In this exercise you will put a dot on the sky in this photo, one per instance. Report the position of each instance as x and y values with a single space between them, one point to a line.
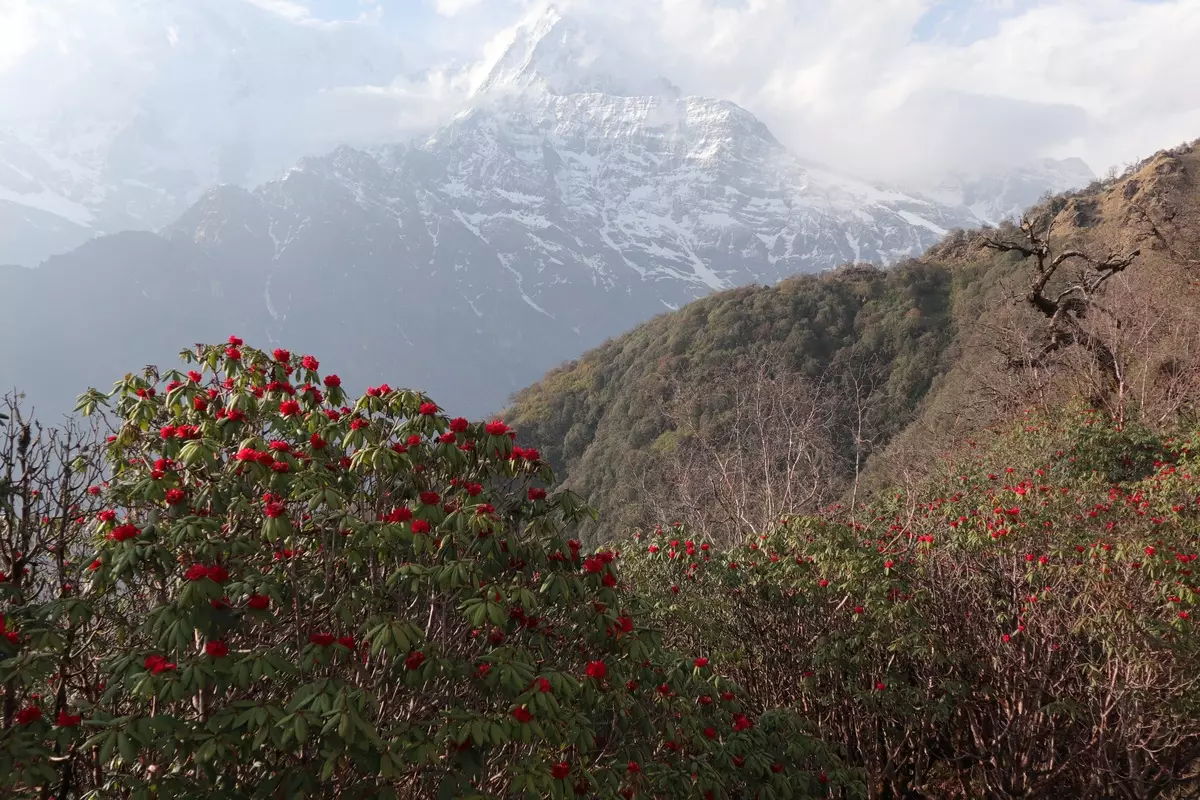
888 89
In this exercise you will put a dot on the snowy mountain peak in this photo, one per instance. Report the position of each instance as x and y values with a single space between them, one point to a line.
557 54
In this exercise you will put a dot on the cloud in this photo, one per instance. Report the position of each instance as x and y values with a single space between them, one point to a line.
284 8
892 87
452 8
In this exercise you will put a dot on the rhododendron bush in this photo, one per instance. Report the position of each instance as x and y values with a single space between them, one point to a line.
254 586
1027 633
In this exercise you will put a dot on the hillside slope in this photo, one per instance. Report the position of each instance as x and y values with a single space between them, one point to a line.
909 362
607 418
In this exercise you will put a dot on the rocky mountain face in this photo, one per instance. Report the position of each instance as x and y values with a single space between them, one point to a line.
573 199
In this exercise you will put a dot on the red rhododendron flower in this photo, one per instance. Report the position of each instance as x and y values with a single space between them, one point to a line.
522 714
216 649
332 381
428 409
196 572
308 362
701 662
414 661
107 515
347 642
232 353
218 574
124 532
496 428
175 496
536 493
431 498
634 768
158 665
459 425
29 715
560 770
281 355
289 408
259 602
401 514
66 720
322 639
597 670
420 526
741 722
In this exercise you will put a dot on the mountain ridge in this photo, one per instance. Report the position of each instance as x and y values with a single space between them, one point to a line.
530 228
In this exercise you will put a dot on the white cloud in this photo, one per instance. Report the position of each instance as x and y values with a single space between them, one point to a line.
886 88
451 8
873 85
284 8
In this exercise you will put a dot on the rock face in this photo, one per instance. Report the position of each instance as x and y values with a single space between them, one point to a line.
572 199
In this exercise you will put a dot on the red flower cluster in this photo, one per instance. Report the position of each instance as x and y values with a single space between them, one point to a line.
66 720
29 715
123 533
215 573
158 665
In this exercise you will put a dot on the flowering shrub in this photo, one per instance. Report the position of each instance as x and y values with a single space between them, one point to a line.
1027 632
282 592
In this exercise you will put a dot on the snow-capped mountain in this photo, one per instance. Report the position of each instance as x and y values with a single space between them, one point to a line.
572 199
122 118
564 180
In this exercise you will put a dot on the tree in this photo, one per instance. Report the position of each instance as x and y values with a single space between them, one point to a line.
752 445
1069 308
287 593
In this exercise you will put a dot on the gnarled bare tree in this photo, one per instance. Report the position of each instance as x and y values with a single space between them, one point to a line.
1069 303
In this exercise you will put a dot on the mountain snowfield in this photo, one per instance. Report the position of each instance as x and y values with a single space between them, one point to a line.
572 198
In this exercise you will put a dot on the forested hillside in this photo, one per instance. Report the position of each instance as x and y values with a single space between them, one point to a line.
884 372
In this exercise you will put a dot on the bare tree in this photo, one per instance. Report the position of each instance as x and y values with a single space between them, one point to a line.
757 444
1069 306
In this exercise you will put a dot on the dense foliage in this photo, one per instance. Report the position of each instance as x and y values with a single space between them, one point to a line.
609 420
278 592
1024 629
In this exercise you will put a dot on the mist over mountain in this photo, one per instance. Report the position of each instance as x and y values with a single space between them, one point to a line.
573 198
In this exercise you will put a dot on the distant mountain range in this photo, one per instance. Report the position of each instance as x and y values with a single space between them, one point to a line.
571 200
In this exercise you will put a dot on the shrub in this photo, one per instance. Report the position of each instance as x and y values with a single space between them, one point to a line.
1027 631
285 593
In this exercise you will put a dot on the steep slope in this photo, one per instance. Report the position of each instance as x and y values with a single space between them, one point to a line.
1150 318
611 420
929 341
